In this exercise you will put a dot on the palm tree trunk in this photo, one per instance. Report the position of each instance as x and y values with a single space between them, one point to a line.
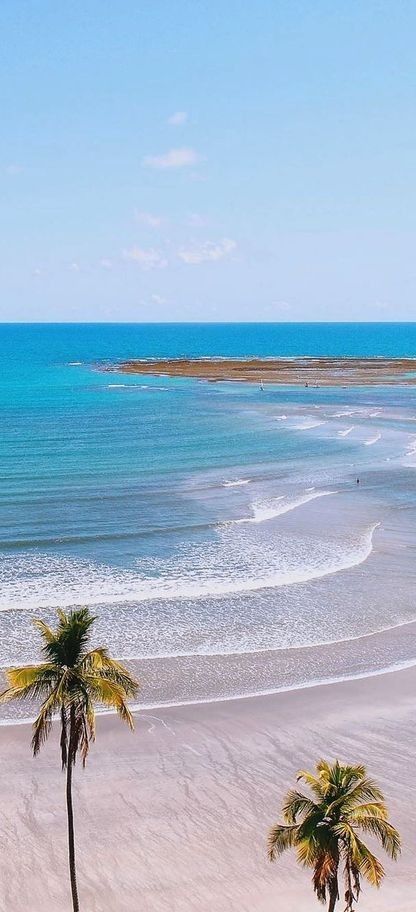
333 895
70 813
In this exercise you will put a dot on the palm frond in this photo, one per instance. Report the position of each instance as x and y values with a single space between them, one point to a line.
312 781
98 661
364 790
43 723
372 808
367 863
386 834
109 693
46 632
295 804
279 839
29 682
325 872
308 850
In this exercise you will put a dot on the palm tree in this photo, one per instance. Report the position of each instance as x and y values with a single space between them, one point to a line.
70 681
326 830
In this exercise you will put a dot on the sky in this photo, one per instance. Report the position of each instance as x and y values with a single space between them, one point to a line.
202 160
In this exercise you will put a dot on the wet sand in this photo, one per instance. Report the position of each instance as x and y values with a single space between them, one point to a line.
174 816
305 371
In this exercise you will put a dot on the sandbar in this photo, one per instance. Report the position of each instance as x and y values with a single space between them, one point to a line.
305 371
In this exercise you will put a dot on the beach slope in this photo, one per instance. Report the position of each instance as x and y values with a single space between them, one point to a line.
175 816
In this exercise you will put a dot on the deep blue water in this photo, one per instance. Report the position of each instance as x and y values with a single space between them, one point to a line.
192 516
55 343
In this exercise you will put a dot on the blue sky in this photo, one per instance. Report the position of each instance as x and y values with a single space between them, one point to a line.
212 160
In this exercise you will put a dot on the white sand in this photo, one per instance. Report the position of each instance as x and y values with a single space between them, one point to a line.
174 817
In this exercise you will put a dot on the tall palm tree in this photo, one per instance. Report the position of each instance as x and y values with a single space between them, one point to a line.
70 681
326 830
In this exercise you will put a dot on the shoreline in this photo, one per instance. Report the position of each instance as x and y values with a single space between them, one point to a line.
138 708
199 786
396 643
314 372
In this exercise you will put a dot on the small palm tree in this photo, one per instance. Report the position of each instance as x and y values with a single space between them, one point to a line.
70 681
326 830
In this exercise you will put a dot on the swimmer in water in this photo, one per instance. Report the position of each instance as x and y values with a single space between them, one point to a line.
358 481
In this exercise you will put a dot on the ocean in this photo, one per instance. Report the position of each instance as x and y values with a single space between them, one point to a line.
216 531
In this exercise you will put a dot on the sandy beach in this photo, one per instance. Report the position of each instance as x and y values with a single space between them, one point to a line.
174 816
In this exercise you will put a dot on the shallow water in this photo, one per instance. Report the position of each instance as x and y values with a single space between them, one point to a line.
207 523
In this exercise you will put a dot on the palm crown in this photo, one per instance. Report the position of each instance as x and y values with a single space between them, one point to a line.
326 829
70 681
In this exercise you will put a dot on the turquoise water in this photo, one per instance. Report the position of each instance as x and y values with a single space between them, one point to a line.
201 520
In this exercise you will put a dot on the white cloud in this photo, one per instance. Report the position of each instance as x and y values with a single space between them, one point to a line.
74 267
178 118
209 251
175 158
106 263
148 218
148 258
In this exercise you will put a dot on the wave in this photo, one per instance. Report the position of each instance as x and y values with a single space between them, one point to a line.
235 484
412 451
74 583
346 432
136 386
410 454
308 425
263 511
372 440
280 417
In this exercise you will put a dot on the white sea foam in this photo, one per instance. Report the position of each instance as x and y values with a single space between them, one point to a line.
235 484
136 386
280 417
411 454
346 432
372 440
38 581
258 650
308 424
265 510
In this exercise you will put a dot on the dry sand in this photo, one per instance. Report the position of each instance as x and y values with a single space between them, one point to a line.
173 818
